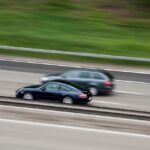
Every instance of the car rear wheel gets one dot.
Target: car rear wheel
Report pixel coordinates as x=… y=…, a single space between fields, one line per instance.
x=28 y=96
x=94 y=91
x=67 y=100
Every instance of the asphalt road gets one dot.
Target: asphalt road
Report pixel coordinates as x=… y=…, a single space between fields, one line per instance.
x=48 y=69
x=24 y=136
x=131 y=95
x=128 y=95
x=132 y=90
x=31 y=129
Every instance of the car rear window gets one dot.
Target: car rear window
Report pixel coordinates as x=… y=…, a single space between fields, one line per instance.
x=75 y=86
x=65 y=88
x=97 y=76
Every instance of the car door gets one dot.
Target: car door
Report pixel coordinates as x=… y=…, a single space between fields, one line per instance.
x=85 y=78
x=97 y=80
x=65 y=90
x=51 y=92
x=72 y=76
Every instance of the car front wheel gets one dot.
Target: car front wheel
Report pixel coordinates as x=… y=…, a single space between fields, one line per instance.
x=28 y=96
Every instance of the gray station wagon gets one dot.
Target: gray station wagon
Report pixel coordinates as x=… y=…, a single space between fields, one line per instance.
x=97 y=81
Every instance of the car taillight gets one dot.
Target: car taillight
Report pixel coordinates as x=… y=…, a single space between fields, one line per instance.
x=107 y=83
x=83 y=95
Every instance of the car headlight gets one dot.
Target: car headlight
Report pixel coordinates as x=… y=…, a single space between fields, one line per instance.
x=19 y=90
x=44 y=79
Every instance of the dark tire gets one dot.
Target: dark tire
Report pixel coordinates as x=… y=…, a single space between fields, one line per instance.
x=67 y=100
x=93 y=90
x=28 y=96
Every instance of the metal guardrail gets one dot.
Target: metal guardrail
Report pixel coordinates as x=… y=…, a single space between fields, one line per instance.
x=103 y=111
x=74 y=53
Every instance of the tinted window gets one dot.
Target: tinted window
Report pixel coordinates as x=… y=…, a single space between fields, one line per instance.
x=52 y=87
x=76 y=86
x=65 y=88
x=71 y=74
x=97 y=76
x=85 y=75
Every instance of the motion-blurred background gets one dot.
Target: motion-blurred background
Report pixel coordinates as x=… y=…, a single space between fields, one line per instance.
x=115 y=27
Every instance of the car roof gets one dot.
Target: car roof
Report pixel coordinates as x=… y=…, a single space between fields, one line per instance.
x=104 y=72
x=90 y=70
x=68 y=83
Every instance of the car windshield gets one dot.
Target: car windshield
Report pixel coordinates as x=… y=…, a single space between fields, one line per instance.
x=76 y=86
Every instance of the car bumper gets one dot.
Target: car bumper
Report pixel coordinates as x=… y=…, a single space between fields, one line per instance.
x=18 y=95
x=83 y=101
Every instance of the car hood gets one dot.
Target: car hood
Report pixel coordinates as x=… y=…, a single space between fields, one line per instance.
x=33 y=86
x=53 y=75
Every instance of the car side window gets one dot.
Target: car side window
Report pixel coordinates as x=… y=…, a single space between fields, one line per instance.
x=71 y=74
x=65 y=88
x=52 y=87
x=97 y=76
x=85 y=75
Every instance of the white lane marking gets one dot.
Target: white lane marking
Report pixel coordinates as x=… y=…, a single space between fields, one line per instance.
x=127 y=71
x=137 y=82
x=74 y=66
x=38 y=110
x=125 y=92
x=40 y=63
x=104 y=102
x=131 y=93
x=73 y=128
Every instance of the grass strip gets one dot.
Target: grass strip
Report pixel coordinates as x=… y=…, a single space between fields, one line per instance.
x=74 y=58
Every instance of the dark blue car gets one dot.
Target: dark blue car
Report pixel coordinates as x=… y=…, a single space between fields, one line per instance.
x=65 y=92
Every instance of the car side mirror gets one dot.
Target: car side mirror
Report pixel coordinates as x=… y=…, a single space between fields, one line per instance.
x=43 y=88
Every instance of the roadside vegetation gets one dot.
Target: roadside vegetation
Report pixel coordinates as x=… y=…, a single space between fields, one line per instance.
x=97 y=26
